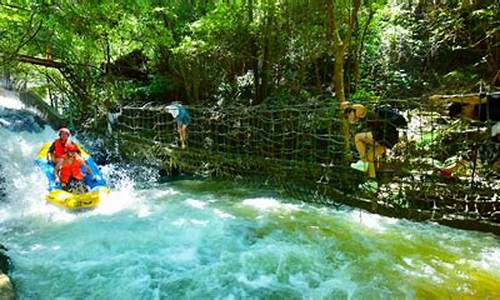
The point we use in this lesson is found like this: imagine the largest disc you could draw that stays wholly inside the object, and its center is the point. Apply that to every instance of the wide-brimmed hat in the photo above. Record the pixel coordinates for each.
(360, 110)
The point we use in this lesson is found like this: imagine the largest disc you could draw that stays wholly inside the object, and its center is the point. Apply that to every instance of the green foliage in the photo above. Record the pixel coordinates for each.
(460, 81)
(393, 50)
(159, 90)
(414, 49)
(365, 96)
(239, 51)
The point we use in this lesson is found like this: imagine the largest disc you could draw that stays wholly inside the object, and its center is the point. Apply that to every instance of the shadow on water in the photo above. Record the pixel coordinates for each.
(222, 188)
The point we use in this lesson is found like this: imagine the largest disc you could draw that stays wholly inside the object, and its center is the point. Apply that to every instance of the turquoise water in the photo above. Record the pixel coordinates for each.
(192, 239)
(210, 240)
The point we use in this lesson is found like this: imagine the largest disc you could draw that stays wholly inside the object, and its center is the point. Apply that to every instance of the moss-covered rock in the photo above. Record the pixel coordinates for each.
(6, 288)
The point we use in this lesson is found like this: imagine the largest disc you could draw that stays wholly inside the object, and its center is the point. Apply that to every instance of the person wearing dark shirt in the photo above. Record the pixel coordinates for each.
(381, 135)
(481, 108)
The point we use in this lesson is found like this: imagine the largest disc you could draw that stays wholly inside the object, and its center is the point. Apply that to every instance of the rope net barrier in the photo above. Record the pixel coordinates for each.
(302, 149)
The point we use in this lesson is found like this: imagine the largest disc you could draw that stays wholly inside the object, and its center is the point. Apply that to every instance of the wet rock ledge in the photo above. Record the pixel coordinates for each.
(6, 287)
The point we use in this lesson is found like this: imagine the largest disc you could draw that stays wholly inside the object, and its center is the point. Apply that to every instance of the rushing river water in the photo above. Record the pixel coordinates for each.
(219, 240)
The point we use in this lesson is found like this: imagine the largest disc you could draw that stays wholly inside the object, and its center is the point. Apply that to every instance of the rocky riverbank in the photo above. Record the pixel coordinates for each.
(6, 287)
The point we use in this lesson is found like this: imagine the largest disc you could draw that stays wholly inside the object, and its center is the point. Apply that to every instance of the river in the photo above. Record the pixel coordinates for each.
(209, 239)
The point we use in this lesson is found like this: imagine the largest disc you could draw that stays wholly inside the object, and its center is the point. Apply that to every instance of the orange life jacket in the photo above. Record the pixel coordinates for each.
(71, 170)
(59, 149)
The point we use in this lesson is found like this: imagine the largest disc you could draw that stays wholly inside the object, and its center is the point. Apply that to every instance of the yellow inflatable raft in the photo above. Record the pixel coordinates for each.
(58, 196)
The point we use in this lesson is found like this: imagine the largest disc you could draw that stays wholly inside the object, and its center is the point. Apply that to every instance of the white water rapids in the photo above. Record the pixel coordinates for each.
(204, 239)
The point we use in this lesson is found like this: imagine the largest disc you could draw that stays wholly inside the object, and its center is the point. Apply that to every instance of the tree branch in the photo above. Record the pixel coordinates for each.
(40, 62)
(14, 6)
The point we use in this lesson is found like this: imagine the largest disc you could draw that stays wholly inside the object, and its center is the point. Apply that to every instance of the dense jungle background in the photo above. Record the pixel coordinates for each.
(89, 57)
(266, 84)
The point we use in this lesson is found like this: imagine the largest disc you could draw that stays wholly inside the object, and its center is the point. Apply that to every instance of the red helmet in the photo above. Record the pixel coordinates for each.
(71, 148)
(65, 130)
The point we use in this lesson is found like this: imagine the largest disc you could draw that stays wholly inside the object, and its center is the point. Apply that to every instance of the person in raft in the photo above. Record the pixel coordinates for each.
(382, 134)
(182, 118)
(58, 148)
(69, 172)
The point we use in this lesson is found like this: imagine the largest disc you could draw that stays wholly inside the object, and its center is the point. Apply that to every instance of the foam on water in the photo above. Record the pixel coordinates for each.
(187, 247)
(206, 240)
(9, 99)
(26, 184)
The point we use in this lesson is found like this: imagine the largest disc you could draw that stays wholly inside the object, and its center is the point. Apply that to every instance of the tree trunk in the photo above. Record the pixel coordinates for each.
(339, 53)
(338, 73)
(265, 78)
(340, 45)
(195, 72)
(187, 83)
(48, 52)
(254, 56)
(359, 51)
(108, 54)
(496, 65)
(49, 90)
(340, 48)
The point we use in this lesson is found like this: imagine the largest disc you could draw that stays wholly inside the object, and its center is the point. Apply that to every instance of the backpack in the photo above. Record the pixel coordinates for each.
(386, 112)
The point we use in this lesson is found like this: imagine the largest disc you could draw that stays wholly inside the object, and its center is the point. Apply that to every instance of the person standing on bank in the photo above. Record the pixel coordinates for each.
(182, 118)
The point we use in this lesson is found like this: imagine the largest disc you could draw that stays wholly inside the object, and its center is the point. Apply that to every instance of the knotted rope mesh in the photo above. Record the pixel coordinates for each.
(302, 150)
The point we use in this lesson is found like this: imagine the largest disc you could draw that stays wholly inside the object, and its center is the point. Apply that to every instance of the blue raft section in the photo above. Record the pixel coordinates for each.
(64, 199)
